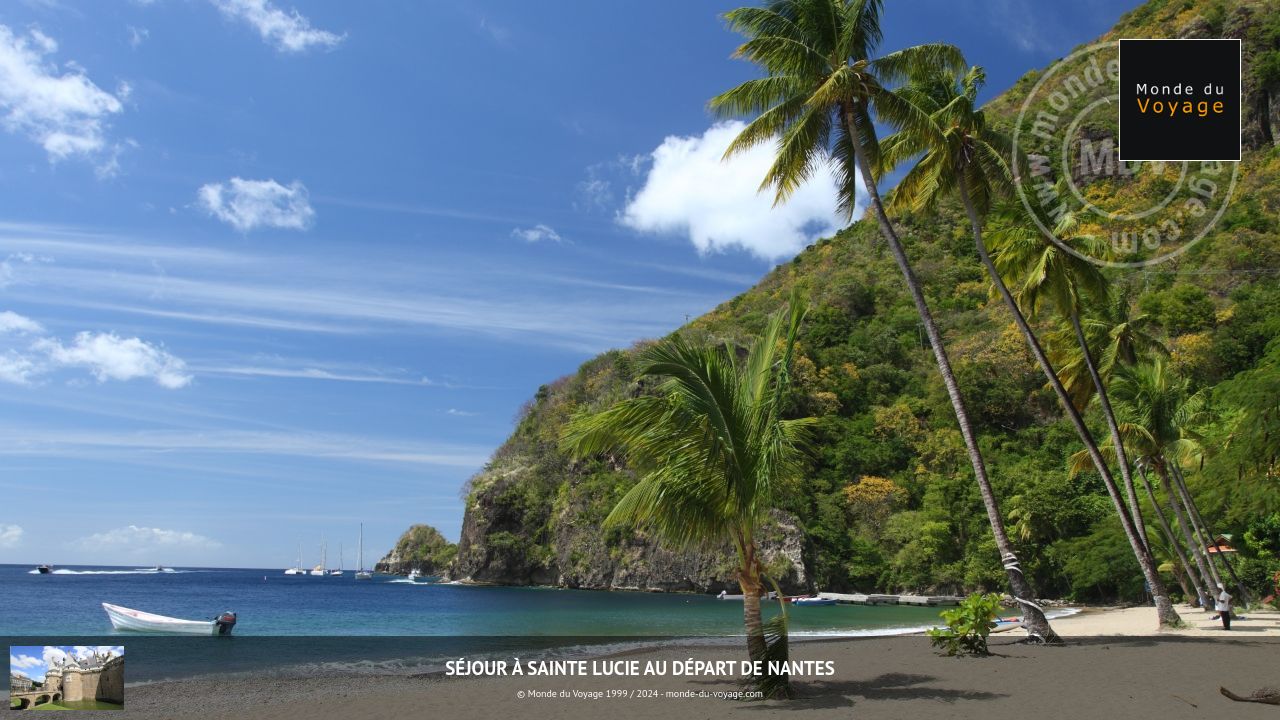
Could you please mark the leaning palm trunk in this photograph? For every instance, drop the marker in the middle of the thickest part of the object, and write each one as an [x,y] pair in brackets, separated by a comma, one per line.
[1188,506]
[1207,533]
[1202,597]
[1135,507]
[1033,618]
[1188,532]
[1168,617]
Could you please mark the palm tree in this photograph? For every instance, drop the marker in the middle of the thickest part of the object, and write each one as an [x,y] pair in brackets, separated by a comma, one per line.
[960,154]
[1165,416]
[1175,547]
[821,85]
[1046,273]
[711,450]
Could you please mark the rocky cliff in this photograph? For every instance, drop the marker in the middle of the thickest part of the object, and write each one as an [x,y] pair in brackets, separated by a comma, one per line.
[420,548]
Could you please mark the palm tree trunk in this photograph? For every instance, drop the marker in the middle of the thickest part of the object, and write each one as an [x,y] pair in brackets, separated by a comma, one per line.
[1033,619]
[1168,617]
[749,579]
[1131,494]
[1162,470]
[1207,534]
[1201,597]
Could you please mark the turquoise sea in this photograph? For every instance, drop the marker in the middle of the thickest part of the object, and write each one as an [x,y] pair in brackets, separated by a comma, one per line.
[388,624]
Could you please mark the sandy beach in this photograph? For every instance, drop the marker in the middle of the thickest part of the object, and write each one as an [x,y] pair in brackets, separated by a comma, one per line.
[1112,665]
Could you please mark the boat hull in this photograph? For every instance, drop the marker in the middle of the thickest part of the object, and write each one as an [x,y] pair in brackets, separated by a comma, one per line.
[128,619]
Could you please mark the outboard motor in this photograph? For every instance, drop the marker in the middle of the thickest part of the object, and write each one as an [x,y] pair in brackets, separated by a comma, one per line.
[225,622]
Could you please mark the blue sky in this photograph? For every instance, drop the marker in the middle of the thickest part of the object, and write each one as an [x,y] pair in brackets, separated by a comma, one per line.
[269,269]
[33,661]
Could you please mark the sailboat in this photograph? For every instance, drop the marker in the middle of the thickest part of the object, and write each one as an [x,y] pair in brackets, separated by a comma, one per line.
[319,569]
[297,569]
[361,573]
[339,570]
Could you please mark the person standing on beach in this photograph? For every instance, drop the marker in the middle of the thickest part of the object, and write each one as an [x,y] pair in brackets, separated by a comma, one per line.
[1223,606]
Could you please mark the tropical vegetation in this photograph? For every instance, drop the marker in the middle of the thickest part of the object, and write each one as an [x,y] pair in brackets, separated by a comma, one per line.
[977,396]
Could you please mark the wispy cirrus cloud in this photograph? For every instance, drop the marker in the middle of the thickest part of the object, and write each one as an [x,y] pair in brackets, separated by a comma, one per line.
[250,204]
[537,233]
[59,108]
[288,32]
[31,441]
[144,541]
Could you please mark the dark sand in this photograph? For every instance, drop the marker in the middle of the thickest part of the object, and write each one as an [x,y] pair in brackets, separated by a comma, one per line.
[1166,677]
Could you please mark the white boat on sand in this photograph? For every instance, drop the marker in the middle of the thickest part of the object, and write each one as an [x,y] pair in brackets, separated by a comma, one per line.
[123,618]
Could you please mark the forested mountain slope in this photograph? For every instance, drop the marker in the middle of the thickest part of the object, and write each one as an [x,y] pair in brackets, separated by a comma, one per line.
[889,502]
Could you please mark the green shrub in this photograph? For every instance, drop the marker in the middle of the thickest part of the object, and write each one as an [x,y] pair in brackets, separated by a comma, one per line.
[968,625]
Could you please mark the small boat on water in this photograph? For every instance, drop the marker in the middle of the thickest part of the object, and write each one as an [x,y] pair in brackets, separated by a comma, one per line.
[339,571]
[44,569]
[813,601]
[123,618]
[297,569]
[361,573]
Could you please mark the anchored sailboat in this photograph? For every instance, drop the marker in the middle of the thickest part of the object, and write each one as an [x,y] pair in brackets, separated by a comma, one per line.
[339,570]
[361,573]
[297,569]
[319,569]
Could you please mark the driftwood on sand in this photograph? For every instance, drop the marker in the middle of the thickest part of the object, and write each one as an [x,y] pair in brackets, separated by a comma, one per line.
[1269,696]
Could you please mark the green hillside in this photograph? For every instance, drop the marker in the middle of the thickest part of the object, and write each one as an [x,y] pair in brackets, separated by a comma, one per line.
[888,502]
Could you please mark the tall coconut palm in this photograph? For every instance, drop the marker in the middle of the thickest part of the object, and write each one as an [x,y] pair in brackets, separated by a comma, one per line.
[711,450]
[1155,407]
[960,154]
[1045,273]
[1165,417]
[1197,586]
[822,84]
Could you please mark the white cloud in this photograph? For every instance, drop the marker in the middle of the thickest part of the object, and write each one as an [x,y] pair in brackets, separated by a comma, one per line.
[248,204]
[59,108]
[24,661]
[17,369]
[691,190]
[10,536]
[537,233]
[146,539]
[111,357]
[137,35]
[460,413]
[287,31]
[12,322]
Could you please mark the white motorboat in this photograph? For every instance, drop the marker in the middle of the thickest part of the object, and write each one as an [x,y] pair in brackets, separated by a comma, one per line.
[123,618]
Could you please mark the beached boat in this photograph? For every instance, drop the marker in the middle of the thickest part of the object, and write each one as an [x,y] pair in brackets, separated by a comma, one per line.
[44,569]
[361,573]
[123,618]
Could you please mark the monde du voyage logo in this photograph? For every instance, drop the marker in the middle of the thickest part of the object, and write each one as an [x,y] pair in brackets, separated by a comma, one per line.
[1133,147]
[1180,100]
